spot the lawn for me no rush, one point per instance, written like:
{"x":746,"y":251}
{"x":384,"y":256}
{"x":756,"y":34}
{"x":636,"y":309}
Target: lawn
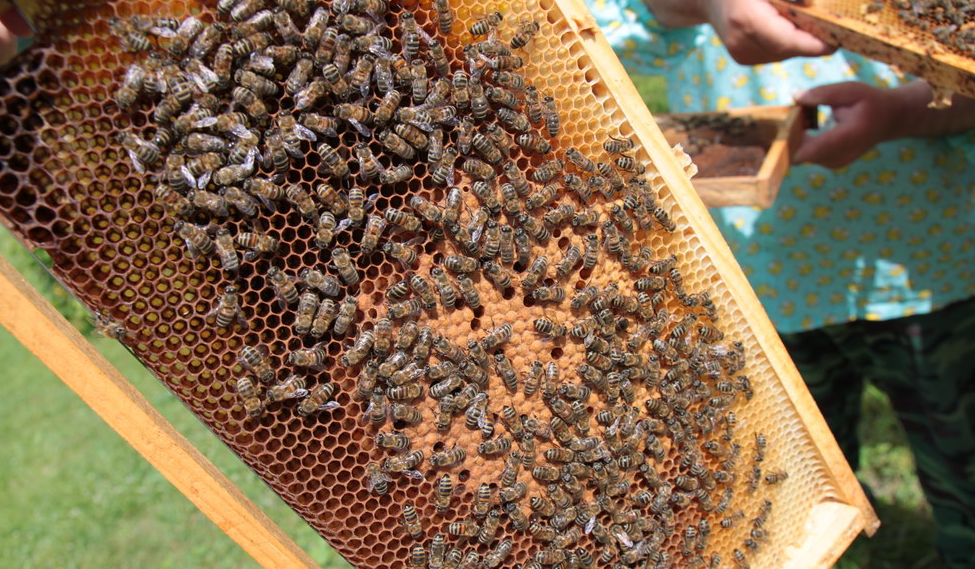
{"x":73,"y":494}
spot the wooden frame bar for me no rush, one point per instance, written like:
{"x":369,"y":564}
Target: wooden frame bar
{"x":833,"y":523}
{"x":43,"y":331}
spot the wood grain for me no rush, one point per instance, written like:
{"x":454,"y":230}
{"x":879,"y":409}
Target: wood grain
{"x":43,"y":331}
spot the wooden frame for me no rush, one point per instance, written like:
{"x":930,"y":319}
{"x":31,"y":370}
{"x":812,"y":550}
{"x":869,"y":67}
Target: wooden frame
{"x":939,"y":67}
{"x":833,"y":524}
{"x":42,"y":330}
{"x":761,"y":189}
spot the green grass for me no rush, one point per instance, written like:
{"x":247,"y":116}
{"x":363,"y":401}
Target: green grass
{"x":654,"y":91}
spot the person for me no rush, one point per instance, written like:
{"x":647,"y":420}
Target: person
{"x":866,"y":261}
{"x":12,"y":26}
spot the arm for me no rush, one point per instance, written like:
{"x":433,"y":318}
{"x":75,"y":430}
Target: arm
{"x":752,"y":30}
{"x":12,"y":26}
{"x":866,"y":116}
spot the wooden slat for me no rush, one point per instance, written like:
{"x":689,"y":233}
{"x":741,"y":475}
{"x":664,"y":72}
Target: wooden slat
{"x":43,"y":331}
{"x":621,"y":88}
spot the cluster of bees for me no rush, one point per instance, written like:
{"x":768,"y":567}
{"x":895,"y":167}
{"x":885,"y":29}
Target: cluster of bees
{"x":705,"y":129}
{"x":239,"y":101}
{"x":951,"y":21}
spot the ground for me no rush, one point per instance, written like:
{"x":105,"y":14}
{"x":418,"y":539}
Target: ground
{"x":74,"y":494}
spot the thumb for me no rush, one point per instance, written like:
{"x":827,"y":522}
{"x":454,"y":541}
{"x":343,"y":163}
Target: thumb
{"x":834,"y":95}
{"x":821,"y":149}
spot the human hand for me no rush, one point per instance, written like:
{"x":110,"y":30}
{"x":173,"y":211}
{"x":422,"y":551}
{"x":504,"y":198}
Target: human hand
{"x":12,"y":26}
{"x":755,"y":32}
{"x":866,"y":116}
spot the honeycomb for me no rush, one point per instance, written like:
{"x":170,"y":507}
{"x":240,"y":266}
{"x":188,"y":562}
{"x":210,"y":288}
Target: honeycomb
{"x":68,"y":187}
{"x":931,"y":39}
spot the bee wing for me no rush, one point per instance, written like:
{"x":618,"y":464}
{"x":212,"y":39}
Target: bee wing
{"x":139,"y":166}
{"x":188,"y":176}
{"x":624,"y":538}
{"x":205,"y":122}
{"x":414,"y":474}
{"x":305,"y":133}
{"x":203,"y":180}
{"x":363,"y":129}
{"x":590,"y":524}
{"x":162,"y":31}
{"x":328,"y":406}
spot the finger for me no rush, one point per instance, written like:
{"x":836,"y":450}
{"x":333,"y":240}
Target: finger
{"x":8,"y":45}
{"x":786,"y":39}
{"x":835,"y":95}
{"x":15,"y":22}
{"x":833,"y":148}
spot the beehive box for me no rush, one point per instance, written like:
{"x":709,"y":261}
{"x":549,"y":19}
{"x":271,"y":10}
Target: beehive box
{"x":69,"y":188}
{"x":777,"y":133}
{"x":883,"y":35}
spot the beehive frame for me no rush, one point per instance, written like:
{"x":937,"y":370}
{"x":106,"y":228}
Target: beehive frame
{"x":837,"y":509}
{"x":885,"y":38}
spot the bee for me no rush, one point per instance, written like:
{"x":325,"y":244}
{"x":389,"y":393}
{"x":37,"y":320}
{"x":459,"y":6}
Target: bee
{"x":580,"y":161}
{"x":550,"y":328}
{"x":395,"y":144}
{"x":209,"y":202}
{"x":387,"y":106}
{"x":533,"y":142}
{"x":517,"y":178}
{"x":342,"y":262}
{"x":421,"y":350}
{"x":324,"y":317}
{"x":522,"y":247}
{"x":196,"y":239}
{"x":249,"y":394}
{"x":552,"y":121}
{"x":487,"y":24}
{"x":494,"y":446}
{"x":531,"y":225}
{"x":629,"y":164}
{"x":411,"y":521}
{"x":618,"y":145}
{"x":466,"y":528}
{"x":250,"y":102}
{"x":404,"y":220}
{"x":325,"y":126}
{"x":291,"y":388}
{"x":423,"y":289}
{"x":448,"y":458}
{"x":535,"y":273}
{"x":461,"y":264}
{"x":333,"y":161}
{"x":142,"y":153}
{"x":395,"y":175}
{"x":524,"y":33}
{"x":569,"y":260}
{"x":549,"y":294}
{"x":256,"y":360}
{"x":401,"y":253}
{"x":466,"y":286}
{"x":500,"y":277}
{"x":345,"y":316}
{"x":496,"y":557}
{"x":359,"y":349}
{"x":545,"y":171}
{"x":327,"y":227}
{"x":664,"y":219}
{"x":776,"y":476}
{"x":307,"y":306}
{"x":448,"y":294}
{"x":405,"y":309}
{"x":513,"y":119}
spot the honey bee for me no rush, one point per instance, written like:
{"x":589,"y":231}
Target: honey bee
{"x":618,"y":145}
{"x":522,"y":247}
{"x":333,"y":161}
{"x":550,"y":328}
{"x":395,"y":175}
{"x":545,"y":171}
{"x":196,"y":239}
{"x":291,"y":388}
{"x":513,"y":119}
{"x":448,"y":458}
{"x":551,"y":112}
{"x":402,"y":253}
{"x":411,"y":521}
{"x":359,"y":349}
{"x":531,"y":141}
{"x":580,"y":161}
{"x":324,"y":317}
{"x":487,"y":24}
{"x":250,"y":102}
{"x":776,"y":476}
{"x":342,"y":262}
{"x":249,"y":394}
{"x":346,"y":314}
{"x":255,"y":359}
{"x":377,"y":481}
{"x":664,"y":219}
{"x":423,"y":289}
{"x":327,"y":227}
{"x":142,"y":153}
{"x":405,"y":309}
{"x":466,"y":528}
{"x":629,"y":164}
{"x":525,"y":32}
{"x":497,"y":556}
{"x":448,"y":294}
{"x":549,"y":294}
{"x":257,"y":243}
